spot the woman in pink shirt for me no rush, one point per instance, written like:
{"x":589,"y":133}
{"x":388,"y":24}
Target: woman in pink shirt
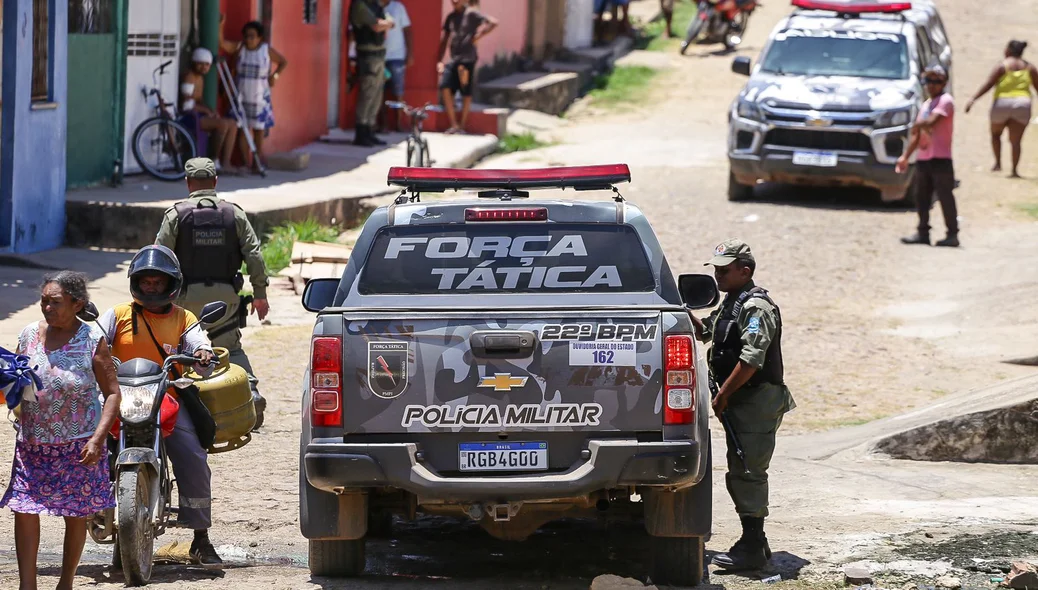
{"x":934,"y":173}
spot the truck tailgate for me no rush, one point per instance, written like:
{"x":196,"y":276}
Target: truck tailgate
{"x":523,"y":372}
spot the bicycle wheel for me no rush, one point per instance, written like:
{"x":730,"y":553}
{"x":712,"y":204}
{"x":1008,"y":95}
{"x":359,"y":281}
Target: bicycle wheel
{"x":411,"y":152}
{"x":424,"y":157}
{"x":161,"y":147}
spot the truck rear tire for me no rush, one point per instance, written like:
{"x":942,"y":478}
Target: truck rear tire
{"x":677,"y":561}
{"x":337,"y":559}
{"x":738,"y":192}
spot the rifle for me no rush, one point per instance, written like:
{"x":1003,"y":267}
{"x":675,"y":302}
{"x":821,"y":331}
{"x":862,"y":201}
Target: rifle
{"x":728,"y":430}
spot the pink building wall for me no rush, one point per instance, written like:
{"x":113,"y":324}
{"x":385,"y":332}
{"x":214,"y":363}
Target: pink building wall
{"x":509,"y":37}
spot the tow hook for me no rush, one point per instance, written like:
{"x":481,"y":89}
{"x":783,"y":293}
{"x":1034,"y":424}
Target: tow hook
{"x":503,"y":512}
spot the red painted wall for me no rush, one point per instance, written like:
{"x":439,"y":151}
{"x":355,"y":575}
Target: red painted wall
{"x":300,"y":95}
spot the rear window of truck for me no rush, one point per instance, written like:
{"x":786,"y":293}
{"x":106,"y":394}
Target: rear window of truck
{"x":506,"y":258}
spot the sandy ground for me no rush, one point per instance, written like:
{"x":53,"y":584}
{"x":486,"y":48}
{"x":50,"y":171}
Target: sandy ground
{"x":873,"y":328}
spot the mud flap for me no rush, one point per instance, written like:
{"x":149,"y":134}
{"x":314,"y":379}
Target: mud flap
{"x":323,"y":515}
{"x":685,"y":513}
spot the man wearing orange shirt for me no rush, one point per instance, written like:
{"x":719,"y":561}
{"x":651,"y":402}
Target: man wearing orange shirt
{"x":150,"y":327}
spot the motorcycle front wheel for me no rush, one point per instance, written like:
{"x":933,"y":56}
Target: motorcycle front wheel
{"x":136,"y":536}
{"x":736,"y":30}
{"x":695,"y":26}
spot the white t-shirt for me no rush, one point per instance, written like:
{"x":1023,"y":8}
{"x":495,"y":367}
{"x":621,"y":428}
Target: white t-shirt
{"x":396,"y":47}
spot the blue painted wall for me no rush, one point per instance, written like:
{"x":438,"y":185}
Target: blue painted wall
{"x":32,"y":154}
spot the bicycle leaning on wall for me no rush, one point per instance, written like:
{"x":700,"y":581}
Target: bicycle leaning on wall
{"x":418,"y":154}
{"x":161,"y":145}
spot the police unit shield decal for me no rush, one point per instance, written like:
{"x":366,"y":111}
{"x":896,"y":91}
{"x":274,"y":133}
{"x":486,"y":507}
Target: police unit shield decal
{"x":387,"y":368}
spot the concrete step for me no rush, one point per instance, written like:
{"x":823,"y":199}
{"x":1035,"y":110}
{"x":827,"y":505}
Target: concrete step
{"x":585,"y":72}
{"x":546,"y":92}
{"x":600,"y":58}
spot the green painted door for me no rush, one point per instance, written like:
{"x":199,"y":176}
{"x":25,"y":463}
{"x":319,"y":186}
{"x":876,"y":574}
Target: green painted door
{"x":93,"y":97}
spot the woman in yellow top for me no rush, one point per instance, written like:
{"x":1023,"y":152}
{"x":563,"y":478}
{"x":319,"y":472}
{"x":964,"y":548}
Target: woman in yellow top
{"x":1012,"y":80}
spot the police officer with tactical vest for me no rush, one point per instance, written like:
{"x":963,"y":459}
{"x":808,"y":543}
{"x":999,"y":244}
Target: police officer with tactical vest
{"x":751,"y":397}
{"x":370,"y":23}
{"x":211,"y":238}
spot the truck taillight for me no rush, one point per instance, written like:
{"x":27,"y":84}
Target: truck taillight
{"x":679,"y":380}
{"x":326,"y":381}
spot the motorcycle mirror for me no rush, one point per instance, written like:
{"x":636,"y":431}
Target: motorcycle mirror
{"x":89,"y":313}
{"x":183,"y":383}
{"x":213,"y":312}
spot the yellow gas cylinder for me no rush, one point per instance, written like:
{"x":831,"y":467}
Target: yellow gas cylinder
{"x":227,"y":394}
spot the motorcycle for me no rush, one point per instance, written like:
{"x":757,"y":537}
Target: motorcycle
{"x":720,"y":20}
{"x":139,"y":465}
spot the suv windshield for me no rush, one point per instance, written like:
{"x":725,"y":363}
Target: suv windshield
{"x":817,"y":52}
{"x":506,"y":258}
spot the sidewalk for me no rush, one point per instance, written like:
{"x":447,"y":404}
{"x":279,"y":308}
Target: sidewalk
{"x":329,"y":189}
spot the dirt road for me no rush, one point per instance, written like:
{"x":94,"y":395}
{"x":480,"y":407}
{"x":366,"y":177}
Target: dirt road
{"x":874,"y":328}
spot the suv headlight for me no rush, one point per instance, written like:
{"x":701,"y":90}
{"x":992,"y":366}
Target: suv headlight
{"x":895,"y":118}
{"x":748,"y":110}
{"x":137,"y":403}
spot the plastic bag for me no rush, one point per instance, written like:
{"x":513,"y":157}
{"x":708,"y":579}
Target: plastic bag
{"x":18,"y":381}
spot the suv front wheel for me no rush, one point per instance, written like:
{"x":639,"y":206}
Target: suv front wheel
{"x":738,"y":192}
{"x":337,"y":559}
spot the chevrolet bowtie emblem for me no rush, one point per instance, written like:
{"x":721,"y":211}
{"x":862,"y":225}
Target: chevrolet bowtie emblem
{"x":819,"y":122}
{"x":502,"y":381}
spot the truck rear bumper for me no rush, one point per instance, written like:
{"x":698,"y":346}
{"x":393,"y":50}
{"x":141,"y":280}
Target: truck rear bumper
{"x":334,"y":466}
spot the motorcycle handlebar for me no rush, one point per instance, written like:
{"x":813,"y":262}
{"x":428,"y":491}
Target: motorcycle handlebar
{"x":184,"y":359}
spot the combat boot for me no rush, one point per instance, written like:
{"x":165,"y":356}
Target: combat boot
{"x":750,"y":552}
{"x":362,"y":136}
{"x":952,"y":241}
{"x":260,"y":403}
{"x":375,"y":140}
{"x":918,"y":238}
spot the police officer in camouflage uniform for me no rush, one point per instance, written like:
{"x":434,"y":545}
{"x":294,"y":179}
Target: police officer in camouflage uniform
{"x":211,"y":238}
{"x":746,"y":363}
{"x":369,"y":22}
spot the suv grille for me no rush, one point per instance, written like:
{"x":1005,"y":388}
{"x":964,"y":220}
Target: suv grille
{"x":820,"y":140}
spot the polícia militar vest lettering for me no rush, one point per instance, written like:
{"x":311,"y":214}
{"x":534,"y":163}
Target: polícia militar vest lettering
{"x":207,"y":242}
{"x":728,"y":343}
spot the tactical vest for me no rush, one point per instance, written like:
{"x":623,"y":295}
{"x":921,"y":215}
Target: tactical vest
{"x":365,"y":37}
{"x":207,"y":242}
{"x":728,"y":343}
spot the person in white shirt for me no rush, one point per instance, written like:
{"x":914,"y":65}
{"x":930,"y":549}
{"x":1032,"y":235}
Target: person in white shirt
{"x":398,"y":55}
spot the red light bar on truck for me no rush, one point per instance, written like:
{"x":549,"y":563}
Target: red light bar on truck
{"x":853,"y":6}
{"x":438,"y":180}
{"x":501,"y":214}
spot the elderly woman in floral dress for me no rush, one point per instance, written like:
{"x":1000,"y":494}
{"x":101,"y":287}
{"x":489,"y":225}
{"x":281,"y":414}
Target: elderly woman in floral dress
{"x":61,"y":455}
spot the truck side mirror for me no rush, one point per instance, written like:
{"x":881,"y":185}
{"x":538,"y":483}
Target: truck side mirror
{"x":698,"y":291}
{"x":319,"y":293}
{"x":741,"y":65}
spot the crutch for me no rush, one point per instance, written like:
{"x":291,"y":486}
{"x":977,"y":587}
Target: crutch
{"x":238,"y":110}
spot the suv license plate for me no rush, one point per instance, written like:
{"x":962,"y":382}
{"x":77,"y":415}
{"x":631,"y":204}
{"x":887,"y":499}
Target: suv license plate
{"x":503,"y":456}
{"x":825,"y":159}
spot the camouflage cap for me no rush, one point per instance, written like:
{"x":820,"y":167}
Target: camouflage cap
{"x":729,"y":251}
{"x":200,"y":168}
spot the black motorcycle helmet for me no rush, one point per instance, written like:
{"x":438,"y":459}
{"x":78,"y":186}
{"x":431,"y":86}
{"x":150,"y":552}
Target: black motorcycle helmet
{"x":155,"y":259}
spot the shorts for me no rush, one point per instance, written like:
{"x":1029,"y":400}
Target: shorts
{"x":397,"y":70}
{"x":1006,"y":109}
{"x":452,"y":81}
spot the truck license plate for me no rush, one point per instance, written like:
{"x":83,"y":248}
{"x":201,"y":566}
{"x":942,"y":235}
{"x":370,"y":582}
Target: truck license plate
{"x":503,"y":456}
{"x":824,"y":159}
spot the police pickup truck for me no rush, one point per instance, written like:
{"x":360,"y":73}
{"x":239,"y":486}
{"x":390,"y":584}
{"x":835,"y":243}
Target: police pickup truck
{"x":509,"y":361}
{"x":833,"y":96}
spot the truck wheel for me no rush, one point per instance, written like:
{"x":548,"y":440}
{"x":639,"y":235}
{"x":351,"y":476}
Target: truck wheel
{"x":738,"y":192}
{"x":380,"y":524}
{"x":337,"y":559}
{"x":677,"y":561}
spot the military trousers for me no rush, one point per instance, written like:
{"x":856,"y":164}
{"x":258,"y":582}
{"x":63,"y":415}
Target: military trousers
{"x":755,"y":414}
{"x":194,"y":297}
{"x":371,"y":71}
